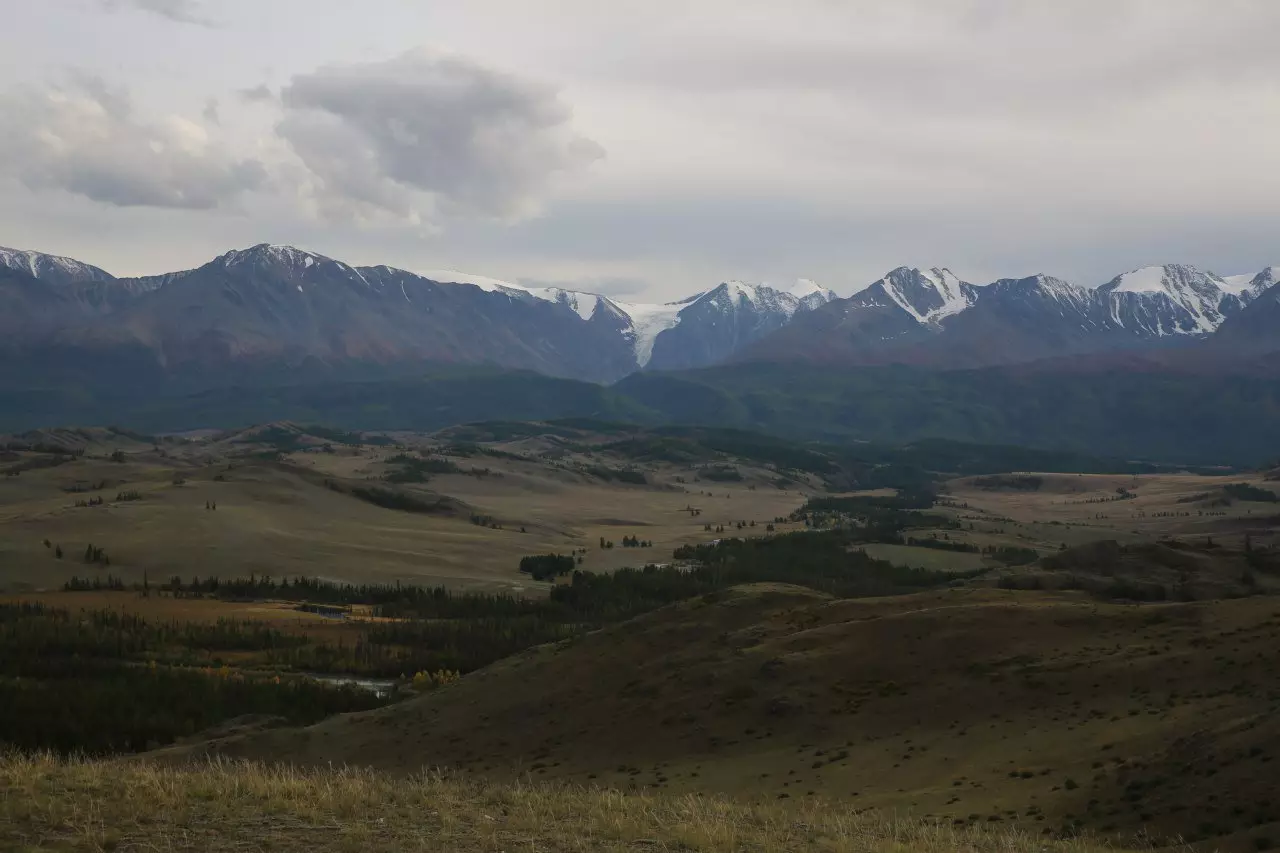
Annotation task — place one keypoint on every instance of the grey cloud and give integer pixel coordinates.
(85, 138)
(256, 94)
(210, 111)
(425, 135)
(959, 56)
(182, 11)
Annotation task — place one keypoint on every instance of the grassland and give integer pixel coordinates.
(274, 514)
(1013, 710)
(66, 805)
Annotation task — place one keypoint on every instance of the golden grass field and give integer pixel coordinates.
(68, 805)
(277, 518)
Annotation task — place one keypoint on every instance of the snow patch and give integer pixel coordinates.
(808, 287)
(481, 281)
(649, 321)
(1142, 280)
(944, 284)
(1242, 285)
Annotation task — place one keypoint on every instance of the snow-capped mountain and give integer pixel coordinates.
(39, 292)
(283, 307)
(929, 296)
(1246, 288)
(931, 317)
(1166, 300)
(698, 330)
(51, 268)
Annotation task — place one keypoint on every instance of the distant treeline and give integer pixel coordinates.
(1016, 482)
(1246, 492)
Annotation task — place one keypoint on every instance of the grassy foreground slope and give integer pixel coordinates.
(1048, 711)
(52, 804)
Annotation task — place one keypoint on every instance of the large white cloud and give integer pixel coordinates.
(86, 138)
(425, 135)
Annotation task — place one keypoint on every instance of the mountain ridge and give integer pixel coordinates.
(279, 303)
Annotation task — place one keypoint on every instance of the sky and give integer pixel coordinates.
(647, 150)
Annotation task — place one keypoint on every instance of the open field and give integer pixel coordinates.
(274, 514)
(47, 804)
(1073, 510)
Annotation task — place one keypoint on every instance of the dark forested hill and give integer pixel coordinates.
(1164, 417)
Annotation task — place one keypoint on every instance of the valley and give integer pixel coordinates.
(732, 427)
(809, 616)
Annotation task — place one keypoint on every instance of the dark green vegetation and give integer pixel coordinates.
(545, 567)
(393, 498)
(418, 469)
(1014, 482)
(102, 681)
(1155, 416)
(1170, 570)
(1246, 492)
(1166, 417)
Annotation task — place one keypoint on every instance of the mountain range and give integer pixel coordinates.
(932, 318)
(280, 306)
(1164, 363)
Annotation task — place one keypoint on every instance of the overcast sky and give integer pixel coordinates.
(647, 149)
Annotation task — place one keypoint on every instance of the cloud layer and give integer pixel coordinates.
(85, 138)
(746, 138)
(426, 134)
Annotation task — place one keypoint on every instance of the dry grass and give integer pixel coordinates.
(52, 804)
(1067, 508)
(1074, 713)
(280, 520)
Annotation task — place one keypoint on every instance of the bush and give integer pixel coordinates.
(547, 566)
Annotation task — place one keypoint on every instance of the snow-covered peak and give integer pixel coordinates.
(1250, 285)
(739, 291)
(1196, 294)
(40, 265)
(927, 295)
(806, 287)
(286, 256)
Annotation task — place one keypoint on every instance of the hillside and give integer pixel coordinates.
(1076, 714)
(232, 807)
(1151, 414)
